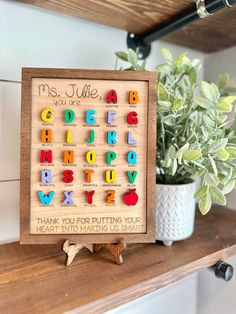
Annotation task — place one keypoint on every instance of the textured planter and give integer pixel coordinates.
(175, 208)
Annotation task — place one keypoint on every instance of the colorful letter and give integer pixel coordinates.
(68, 199)
(131, 176)
(46, 176)
(89, 117)
(89, 196)
(110, 197)
(133, 97)
(46, 156)
(48, 115)
(132, 118)
(132, 157)
(112, 97)
(69, 137)
(46, 199)
(111, 137)
(69, 116)
(46, 136)
(68, 156)
(90, 157)
(90, 139)
(110, 116)
(110, 156)
(131, 141)
(88, 174)
(110, 176)
(68, 176)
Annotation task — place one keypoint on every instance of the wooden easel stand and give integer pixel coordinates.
(116, 249)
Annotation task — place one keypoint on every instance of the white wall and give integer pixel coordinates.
(39, 38)
(217, 296)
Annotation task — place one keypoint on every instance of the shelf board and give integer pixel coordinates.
(209, 35)
(34, 279)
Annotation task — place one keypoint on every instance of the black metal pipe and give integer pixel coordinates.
(188, 16)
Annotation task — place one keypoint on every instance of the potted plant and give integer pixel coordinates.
(195, 138)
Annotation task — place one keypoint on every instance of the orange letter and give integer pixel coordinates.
(68, 156)
(110, 197)
(46, 136)
(88, 174)
(133, 97)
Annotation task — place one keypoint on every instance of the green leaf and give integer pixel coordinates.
(179, 62)
(167, 54)
(174, 167)
(170, 152)
(217, 196)
(167, 162)
(222, 142)
(229, 186)
(208, 91)
(203, 102)
(122, 55)
(222, 154)
(208, 121)
(216, 92)
(193, 75)
(192, 154)
(231, 151)
(132, 57)
(205, 204)
(201, 191)
(211, 179)
(162, 92)
(225, 105)
(164, 106)
(163, 68)
(184, 148)
(223, 80)
(169, 120)
(213, 164)
(178, 103)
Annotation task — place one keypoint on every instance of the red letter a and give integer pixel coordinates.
(112, 97)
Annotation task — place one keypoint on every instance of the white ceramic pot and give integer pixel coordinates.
(175, 208)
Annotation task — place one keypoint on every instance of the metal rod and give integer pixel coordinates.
(188, 16)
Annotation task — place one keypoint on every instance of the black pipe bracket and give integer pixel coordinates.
(199, 9)
(135, 42)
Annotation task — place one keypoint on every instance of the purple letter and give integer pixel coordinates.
(130, 140)
(46, 176)
(110, 116)
(68, 199)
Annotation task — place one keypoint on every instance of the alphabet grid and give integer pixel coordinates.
(88, 156)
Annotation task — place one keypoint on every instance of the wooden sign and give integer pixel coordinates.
(88, 156)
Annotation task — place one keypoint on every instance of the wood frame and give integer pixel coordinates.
(27, 75)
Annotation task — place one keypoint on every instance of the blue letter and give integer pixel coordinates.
(89, 117)
(132, 157)
(111, 137)
(46, 199)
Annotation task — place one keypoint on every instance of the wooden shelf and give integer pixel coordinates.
(210, 34)
(33, 278)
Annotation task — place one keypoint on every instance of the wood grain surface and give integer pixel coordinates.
(139, 16)
(33, 278)
(85, 221)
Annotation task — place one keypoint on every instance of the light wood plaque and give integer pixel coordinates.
(69, 214)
